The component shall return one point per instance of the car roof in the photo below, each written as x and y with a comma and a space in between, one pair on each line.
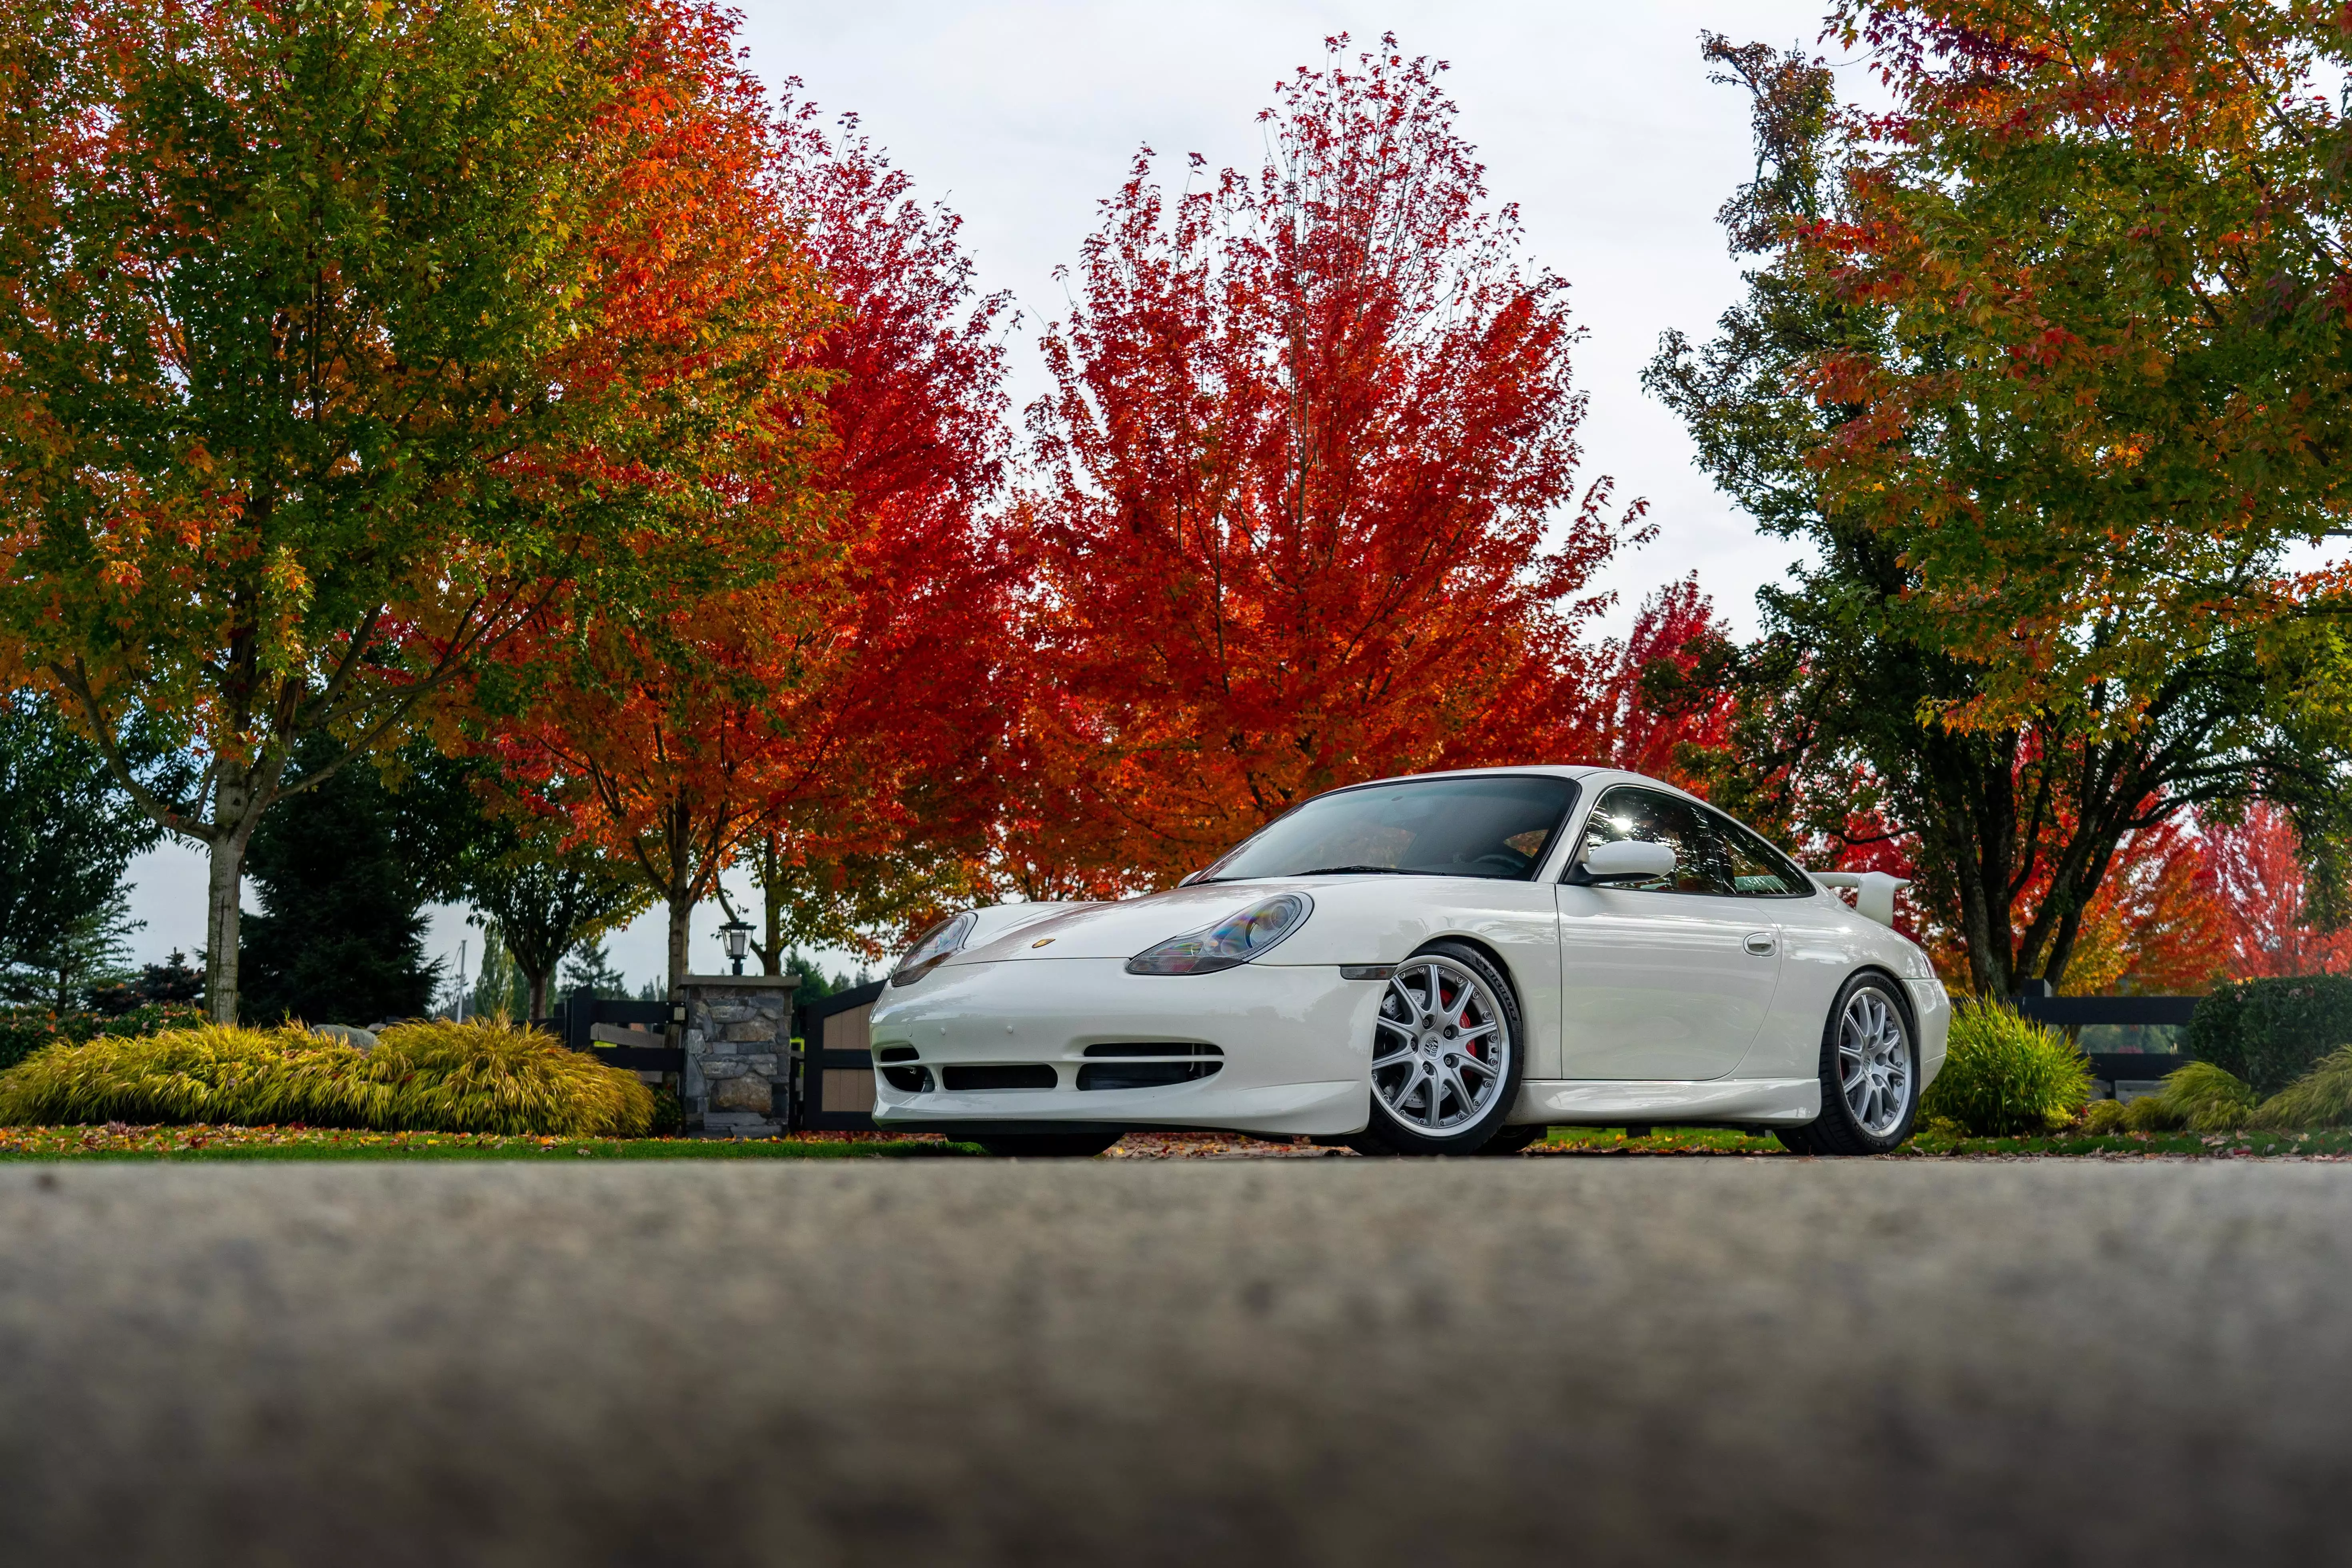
1551, 770
1583, 772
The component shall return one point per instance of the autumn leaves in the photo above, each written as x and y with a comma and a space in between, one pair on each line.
526, 375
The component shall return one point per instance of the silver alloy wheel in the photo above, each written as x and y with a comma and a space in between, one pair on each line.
1874, 1061
1441, 1045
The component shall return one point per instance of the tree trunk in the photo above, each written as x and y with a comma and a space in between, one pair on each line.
682, 914
538, 979
221, 911
772, 894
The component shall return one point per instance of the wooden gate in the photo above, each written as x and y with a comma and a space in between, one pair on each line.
834, 1062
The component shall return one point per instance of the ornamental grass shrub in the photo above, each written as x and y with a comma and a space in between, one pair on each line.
2005, 1075
422, 1078
2321, 1097
2103, 1118
2200, 1097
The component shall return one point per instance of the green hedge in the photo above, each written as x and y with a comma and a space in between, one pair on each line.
2272, 1032
426, 1077
23, 1031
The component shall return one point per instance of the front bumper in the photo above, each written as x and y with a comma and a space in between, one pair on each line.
1296, 1044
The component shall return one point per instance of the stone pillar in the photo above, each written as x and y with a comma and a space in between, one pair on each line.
739, 1043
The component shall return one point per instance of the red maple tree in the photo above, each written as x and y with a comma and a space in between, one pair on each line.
2253, 873
1307, 434
1646, 713
890, 741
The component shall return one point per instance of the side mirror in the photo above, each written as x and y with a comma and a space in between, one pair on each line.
1624, 860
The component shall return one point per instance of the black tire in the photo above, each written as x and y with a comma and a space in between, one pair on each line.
1511, 1140
1047, 1145
1839, 1130
1387, 1134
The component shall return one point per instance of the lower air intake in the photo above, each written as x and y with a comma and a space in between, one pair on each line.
1023, 1075
1148, 1064
1143, 1075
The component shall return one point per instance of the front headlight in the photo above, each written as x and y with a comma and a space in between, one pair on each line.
1235, 940
935, 948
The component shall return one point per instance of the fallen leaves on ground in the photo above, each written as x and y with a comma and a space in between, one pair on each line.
118, 1140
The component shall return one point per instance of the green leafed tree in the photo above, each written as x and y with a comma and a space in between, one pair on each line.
589, 968
2008, 766
68, 832
543, 903
339, 340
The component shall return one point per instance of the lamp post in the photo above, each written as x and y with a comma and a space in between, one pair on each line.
738, 938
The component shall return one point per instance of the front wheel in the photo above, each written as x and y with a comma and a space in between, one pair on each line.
1870, 1074
1445, 1056
1047, 1145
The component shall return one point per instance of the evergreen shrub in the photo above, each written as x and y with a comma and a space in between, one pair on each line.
430, 1076
2270, 1032
2004, 1075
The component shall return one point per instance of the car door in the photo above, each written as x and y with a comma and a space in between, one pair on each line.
1669, 979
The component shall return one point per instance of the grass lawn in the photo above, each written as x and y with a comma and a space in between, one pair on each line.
1934, 1144
120, 1143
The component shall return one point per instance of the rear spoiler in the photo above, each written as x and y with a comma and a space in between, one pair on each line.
1874, 891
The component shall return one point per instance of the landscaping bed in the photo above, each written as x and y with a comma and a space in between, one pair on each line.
1938, 1143
121, 1142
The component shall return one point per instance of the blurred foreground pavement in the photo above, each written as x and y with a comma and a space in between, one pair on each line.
1312, 1361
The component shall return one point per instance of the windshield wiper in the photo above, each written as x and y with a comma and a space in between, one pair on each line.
1330, 871
1364, 870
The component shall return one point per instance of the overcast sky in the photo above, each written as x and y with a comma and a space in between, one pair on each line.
1596, 118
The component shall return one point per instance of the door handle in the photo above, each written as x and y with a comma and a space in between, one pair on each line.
1760, 943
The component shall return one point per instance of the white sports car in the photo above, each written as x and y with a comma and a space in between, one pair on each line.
1440, 964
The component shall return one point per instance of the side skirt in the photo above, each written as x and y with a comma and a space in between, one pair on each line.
1777, 1101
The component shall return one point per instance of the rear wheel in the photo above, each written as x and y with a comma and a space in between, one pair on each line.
1870, 1074
1445, 1056
1047, 1145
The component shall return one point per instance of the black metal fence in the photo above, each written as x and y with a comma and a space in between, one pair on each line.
2128, 1038
586, 1022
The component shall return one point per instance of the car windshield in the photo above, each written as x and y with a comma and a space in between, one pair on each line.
1496, 826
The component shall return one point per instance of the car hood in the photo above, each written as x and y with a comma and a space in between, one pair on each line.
1120, 930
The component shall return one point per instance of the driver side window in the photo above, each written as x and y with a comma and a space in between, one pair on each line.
1701, 865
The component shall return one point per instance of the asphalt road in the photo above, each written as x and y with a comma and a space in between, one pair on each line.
1358, 1361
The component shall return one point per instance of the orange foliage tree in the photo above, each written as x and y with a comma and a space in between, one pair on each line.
834, 715
641, 708
341, 341
1308, 432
